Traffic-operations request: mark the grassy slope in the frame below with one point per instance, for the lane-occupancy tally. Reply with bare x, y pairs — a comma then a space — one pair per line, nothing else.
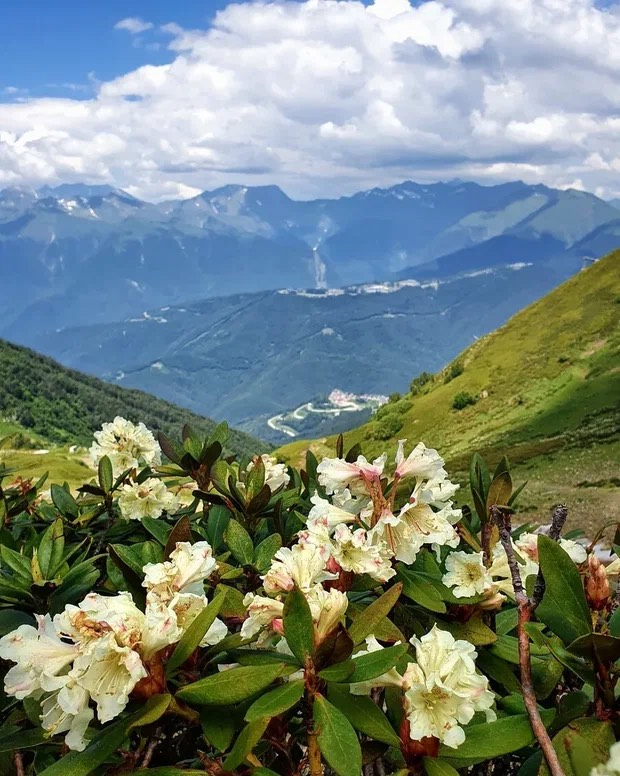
55, 407
552, 374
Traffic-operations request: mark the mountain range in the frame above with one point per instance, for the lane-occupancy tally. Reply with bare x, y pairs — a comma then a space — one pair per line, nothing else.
243, 304
77, 254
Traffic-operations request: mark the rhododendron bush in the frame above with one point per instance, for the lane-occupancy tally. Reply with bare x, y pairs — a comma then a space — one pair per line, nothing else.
185, 612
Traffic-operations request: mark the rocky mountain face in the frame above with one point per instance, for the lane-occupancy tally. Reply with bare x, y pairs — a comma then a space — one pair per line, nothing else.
78, 254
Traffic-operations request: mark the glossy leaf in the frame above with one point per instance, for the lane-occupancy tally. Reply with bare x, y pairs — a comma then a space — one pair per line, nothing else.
239, 542
195, 633
245, 743
365, 622
563, 608
276, 701
298, 625
364, 715
337, 739
230, 686
376, 663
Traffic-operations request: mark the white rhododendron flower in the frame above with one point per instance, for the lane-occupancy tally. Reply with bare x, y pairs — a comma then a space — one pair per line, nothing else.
336, 474
262, 612
354, 551
37, 652
66, 710
390, 678
126, 444
332, 515
97, 615
443, 690
327, 607
185, 572
466, 574
414, 526
422, 462
109, 672
437, 492
302, 566
150, 498
612, 766
275, 473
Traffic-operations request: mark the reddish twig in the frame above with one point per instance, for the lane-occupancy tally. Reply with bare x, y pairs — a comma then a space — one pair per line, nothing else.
19, 764
526, 607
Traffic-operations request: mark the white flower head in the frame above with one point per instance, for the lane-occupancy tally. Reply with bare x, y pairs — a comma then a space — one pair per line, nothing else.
466, 574
126, 444
185, 572
109, 672
66, 710
37, 652
262, 612
302, 566
422, 462
276, 474
146, 499
390, 678
436, 492
612, 766
98, 615
336, 474
354, 551
328, 608
414, 526
443, 689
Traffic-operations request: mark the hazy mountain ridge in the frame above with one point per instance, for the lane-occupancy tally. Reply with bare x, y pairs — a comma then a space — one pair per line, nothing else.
77, 254
247, 358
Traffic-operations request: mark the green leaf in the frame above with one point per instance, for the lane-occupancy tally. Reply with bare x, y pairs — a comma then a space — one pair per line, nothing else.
506, 621
51, 549
216, 525
563, 608
614, 623
100, 748
263, 555
493, 739
17, 562
218, 725
419, 590
172, 771
23, 739
247, 740
11, 619
597, 646
364, 715
105, 474
376, 663
339, 672
230, 686
64, 501
298, 625
435, 767
239, 542
596, 739
157, 528
195, 633
276, 701
383, 631
473, 630
372, 615
337, 740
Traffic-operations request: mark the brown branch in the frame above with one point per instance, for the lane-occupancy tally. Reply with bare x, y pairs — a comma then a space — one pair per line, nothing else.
314, 754
150, 749
525, 608
19, 764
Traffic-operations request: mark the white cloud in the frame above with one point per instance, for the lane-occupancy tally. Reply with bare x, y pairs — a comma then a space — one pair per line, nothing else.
134, 25
326, 97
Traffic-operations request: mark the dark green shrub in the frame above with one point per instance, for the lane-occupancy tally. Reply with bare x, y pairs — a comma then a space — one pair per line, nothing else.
463, 399
419, 382
454, 370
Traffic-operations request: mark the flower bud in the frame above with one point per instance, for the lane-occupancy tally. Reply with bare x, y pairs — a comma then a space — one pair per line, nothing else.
492, 602
597, 584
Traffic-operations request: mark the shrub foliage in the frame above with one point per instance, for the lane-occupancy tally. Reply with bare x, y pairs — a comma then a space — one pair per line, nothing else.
183, 612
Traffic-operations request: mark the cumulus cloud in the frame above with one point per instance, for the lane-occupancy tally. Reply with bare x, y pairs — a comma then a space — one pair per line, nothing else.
328, 96
134, 25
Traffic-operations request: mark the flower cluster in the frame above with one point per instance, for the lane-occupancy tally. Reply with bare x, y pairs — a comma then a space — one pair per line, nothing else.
126, 444
276, 475
101, 649
150, 498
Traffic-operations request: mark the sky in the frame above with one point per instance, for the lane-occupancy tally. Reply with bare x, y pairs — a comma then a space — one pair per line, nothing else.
322, 97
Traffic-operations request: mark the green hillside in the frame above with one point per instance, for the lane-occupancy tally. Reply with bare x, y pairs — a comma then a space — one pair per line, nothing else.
544, 389
47, 404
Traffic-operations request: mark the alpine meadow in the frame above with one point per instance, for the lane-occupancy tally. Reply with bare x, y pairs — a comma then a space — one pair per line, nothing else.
310, 388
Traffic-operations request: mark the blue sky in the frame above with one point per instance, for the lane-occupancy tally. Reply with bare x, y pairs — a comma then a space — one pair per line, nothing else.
323, 97
47, 43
